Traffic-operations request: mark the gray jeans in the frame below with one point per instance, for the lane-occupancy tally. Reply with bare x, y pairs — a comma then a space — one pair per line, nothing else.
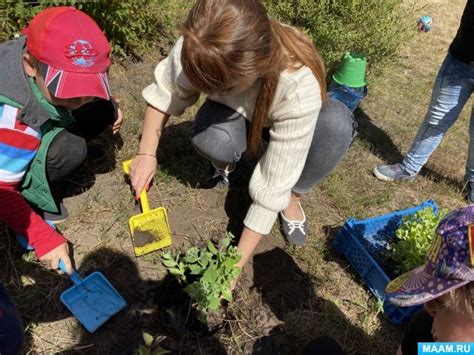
220, 135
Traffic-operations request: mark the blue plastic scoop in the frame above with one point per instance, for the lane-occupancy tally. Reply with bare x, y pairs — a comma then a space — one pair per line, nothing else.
92, 300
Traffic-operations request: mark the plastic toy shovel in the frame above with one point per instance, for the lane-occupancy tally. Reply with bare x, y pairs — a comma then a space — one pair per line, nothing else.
150, 230
92, 300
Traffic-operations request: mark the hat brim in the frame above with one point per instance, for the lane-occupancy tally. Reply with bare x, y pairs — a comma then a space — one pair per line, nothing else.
418, 287
68, 85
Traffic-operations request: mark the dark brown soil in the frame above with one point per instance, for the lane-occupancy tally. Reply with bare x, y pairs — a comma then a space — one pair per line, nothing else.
143, 237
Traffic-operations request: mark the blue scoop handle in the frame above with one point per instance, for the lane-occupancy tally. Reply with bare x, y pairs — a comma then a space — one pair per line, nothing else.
74, 276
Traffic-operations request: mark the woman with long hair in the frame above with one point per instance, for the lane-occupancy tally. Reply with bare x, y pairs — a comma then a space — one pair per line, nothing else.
258, 70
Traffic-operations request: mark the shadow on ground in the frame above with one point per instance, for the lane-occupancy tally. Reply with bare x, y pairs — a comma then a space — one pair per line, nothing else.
177, 157
289, 293
382, 146
192, 170
238, 199
158, 307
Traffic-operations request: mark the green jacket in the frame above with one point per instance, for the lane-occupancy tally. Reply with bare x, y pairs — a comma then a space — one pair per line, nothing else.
35, 187
19, 91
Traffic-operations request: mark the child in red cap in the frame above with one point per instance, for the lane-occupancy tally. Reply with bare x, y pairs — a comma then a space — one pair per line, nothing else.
444, 284
54, 97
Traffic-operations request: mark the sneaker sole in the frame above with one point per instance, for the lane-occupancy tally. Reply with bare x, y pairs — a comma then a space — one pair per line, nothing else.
382, 177
56, 221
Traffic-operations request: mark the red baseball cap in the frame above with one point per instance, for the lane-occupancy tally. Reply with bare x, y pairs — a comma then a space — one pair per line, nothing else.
73, 51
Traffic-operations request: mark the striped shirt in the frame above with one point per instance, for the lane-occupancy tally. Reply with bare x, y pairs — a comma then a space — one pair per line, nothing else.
19, 144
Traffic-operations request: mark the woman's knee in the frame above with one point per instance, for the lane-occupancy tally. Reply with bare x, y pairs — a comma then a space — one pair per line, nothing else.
219, 133
335, 122
333, 136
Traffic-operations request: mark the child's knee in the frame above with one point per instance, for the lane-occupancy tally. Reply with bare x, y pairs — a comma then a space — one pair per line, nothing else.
66, 153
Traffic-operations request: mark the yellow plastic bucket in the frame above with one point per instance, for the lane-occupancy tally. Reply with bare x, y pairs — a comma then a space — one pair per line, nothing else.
149, 230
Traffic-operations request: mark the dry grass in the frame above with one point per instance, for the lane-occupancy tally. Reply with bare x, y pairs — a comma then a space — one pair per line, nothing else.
292, 295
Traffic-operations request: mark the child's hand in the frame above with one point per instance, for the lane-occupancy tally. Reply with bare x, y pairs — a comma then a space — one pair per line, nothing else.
118, 122
118, 119
142, 171
52, 258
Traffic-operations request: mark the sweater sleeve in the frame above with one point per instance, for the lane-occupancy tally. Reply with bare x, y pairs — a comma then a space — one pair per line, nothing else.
171, 92
19, 216
294, 120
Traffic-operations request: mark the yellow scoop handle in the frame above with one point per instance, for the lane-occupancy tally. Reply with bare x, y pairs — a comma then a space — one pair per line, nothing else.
143, 195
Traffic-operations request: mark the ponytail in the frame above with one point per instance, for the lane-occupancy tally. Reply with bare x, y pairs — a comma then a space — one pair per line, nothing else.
300, 51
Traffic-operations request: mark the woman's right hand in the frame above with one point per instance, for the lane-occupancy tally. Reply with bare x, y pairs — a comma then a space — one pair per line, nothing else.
143, 167
142, 171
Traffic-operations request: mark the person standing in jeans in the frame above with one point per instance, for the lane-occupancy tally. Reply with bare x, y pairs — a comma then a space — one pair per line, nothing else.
258, 70
452, 88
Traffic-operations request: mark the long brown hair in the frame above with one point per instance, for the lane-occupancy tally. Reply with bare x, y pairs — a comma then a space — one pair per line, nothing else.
225, 40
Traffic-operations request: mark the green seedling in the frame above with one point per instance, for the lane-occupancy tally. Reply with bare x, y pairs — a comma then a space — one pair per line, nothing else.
207, 272
150, 348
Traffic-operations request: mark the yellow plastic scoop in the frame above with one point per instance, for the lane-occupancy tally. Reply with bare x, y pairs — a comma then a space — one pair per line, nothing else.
150, 230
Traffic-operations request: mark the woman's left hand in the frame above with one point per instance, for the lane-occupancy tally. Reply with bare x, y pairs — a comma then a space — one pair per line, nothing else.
233, 284
247, 244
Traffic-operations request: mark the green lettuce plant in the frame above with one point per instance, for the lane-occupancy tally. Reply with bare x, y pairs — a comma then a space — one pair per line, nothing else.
414, 237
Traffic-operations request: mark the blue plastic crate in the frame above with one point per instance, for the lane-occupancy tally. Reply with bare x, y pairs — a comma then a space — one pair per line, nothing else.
364, 244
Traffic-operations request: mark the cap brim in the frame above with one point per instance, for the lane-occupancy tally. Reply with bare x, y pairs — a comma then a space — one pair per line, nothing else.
418, 287
68, 85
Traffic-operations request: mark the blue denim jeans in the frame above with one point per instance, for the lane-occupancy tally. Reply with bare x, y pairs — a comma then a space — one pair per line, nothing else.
453, 87
11, 329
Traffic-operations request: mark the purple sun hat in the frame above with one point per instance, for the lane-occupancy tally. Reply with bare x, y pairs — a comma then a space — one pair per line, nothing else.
449, 263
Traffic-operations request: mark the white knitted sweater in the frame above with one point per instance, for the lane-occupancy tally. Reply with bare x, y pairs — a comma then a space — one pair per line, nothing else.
292, 120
